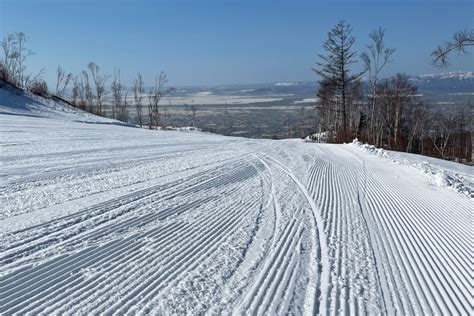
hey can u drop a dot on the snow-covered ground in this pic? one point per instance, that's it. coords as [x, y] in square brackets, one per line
[101, 218]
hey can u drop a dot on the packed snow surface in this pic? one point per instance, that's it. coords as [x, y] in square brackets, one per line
[102, 218]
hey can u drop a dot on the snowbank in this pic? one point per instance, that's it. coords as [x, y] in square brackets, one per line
[317, 137]
[459, 178]
[27, 104]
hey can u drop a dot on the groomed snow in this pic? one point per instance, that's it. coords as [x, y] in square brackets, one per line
[102, 218]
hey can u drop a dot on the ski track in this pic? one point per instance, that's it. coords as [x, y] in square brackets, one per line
[217, 225]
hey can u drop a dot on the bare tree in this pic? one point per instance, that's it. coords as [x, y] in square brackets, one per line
[99, 84]
[122, 110]
[117, 93]
[21, 55]
[465, 120]
[226, 119]
[192, 109]
[166, 114]
[8, 63]
[138, 91]
[39, 87]
[460, 41]
[87, 96]
[15, 55]
[440, 132]
[327, 107]
[404, 93]
[62, 81]
[78, 93]
[75, 92]
[151, 109]
[302, 121]
[377, 57]
[29, 79]
[156, 93]
[417, 120]
[395, 96]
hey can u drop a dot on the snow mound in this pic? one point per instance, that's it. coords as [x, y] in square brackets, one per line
[18, 102]
[439, 176]
[371, 149]
[443, 178]
[317, 138]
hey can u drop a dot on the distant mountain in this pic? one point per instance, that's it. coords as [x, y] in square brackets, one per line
[460, 75]
[445, 83]
[281, 89]
[438, 87]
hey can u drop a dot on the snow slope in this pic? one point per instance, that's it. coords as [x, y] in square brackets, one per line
[102, 218]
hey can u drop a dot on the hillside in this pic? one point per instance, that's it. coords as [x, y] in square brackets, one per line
[102, 218]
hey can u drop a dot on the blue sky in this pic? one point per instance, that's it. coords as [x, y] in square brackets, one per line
[223, 42]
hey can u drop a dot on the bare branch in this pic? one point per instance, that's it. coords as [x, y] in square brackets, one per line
[460, 41]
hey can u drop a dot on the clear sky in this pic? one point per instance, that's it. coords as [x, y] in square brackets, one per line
[222, 42]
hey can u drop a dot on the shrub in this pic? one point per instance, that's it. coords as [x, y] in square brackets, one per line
[3, 73]
[39, 87]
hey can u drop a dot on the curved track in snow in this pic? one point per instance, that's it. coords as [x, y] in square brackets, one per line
[116, 220]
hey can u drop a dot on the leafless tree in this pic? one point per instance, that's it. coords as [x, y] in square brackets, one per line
[377, 57]
[39, 87]
[75, 91]
[354, 105]
[328, 107]
[62, 81]
[465, 121]
[166, 114]
[13, 64]
[302, 121]
[156, 93]
[460, 41]
[117, 90]
[138, 92]
[417, 118]
[82, 100]
[395, 96]
[122, 110]
[8, 63]
[22, 53]
[87, 96]
[29, 79]
[440, 132]
[99, 84]
[192, 109]
[404, 93]
[151, 109]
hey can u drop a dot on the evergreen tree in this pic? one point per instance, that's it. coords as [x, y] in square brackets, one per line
[334, 70]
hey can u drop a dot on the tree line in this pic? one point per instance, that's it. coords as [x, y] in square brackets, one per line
[91, 90]
[389, 115]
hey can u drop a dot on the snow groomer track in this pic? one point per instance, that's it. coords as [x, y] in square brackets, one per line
[100, 218]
